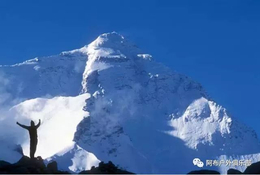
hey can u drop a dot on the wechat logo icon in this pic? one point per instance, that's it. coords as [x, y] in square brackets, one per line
[197, 162]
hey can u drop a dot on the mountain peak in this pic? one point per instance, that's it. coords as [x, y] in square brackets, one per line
[108, 38]
[108, 42]
[113, 40]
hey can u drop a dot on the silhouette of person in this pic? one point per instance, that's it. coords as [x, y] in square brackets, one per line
[33, 136]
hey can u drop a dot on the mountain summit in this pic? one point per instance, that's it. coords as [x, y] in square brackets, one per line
[109, 101]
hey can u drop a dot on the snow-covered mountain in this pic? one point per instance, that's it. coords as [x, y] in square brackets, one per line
[110, 101]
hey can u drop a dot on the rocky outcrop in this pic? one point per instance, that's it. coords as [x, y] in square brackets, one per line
[233, 171]
[253, 169]
[29, 166]
[204, 172]
[105, 168]
[36, 166]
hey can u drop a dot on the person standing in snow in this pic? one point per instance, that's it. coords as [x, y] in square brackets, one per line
[33, 136]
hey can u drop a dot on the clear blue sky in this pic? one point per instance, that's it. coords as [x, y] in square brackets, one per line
[215, 42]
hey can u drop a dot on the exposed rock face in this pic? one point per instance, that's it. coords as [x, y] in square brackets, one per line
[105, 168]
[3, 164]
[36, 166]
[233, 171]
[204, 172]
[253, 169]
[30, 166]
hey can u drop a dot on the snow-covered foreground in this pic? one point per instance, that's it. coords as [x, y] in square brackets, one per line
[60, 117]
[74, 159]
[110, 101]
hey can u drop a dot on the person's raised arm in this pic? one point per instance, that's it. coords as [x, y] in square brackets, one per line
[37, 126]
[23, 126]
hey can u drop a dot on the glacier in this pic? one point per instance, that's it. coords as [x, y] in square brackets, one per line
[110, 101]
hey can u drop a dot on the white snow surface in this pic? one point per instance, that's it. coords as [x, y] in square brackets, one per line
[109, 101]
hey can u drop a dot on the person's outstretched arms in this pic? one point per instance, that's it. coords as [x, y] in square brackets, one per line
[23, 126]
[37, 126]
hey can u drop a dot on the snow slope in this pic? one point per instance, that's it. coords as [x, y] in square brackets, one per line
[110, 101]
[59, 115]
